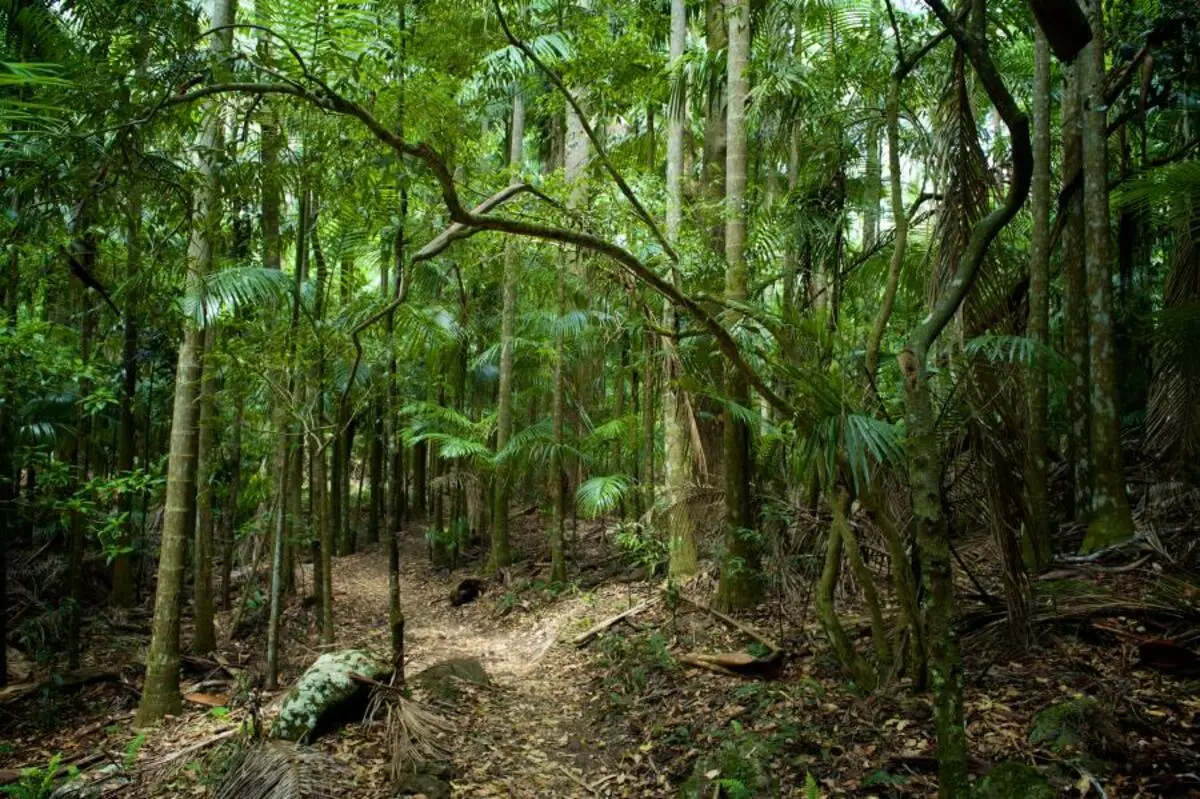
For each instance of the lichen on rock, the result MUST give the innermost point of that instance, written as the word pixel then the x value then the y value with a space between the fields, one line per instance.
pixel 324 689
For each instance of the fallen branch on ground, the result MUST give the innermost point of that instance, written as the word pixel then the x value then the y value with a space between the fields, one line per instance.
pixel 66 682
pixel 734 623
pixel 585 638
pixel 737 664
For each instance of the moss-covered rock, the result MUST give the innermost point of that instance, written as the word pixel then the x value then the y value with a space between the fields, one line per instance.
pixel 326 694
pixel 1082 727
pixel 1012 780
pixel 441 678
pixel 430 780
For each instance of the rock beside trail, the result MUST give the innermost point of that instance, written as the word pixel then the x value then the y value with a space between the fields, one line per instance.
pixel 326 694
pixel 1012 780
pixel 1080 727
pixel 428 780
pixel 440 679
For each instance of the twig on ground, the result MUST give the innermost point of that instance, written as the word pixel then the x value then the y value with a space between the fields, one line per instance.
pixel 575 779
pixel 734 623
pixel 584 638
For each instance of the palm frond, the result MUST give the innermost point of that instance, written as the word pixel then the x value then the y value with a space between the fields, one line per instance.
pixel 600 495
pixel 229 290
pixel 271 769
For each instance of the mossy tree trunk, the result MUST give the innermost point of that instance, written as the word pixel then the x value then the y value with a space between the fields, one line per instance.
pixel 1110 520
pixel 1037 542
pixel 1075 302
pixel 946 673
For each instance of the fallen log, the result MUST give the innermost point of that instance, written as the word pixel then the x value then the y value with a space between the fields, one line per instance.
pixel 584 638
pixel 65 682
pixel 737 664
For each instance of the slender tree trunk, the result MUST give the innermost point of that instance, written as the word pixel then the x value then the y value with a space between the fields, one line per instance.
pixel 123 595
pixel 501 556
pixel 648 419
pixel 715 133
pixel 1111 521
pixel 1037 543
pixel 681 544
pixel 160 692
pixel 83 434
pixel 872 187
pixel 741 579
pixel 1075 302
pixel 396 508
pixel 336 464
pixel 204 636
pixel 375 471
pixel 420 456
pixel 320 486
pixel 899 245
pixel 230 522
pixel 558 494
pixel 289 457
pixel 9 482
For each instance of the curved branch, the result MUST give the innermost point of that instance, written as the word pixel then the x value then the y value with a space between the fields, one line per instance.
pixel 986 230
pixel 638 208
pixel 334 102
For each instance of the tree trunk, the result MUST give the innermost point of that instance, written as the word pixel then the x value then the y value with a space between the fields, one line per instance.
pixel 839 641
pixel 160 692
pixel 229 523
pixel 1037 543
pixel 681 543
pixel 558 494
pixel 375 471
pixel 872 187
pixel 648 419
pixel 899 245
pixel 741 578
pixel 1075 307
pixel 83 432
pixel 204 636
pixel 1111 521
pixel 123 595
pixel 501 556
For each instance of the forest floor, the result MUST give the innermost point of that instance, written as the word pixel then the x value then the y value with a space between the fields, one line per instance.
pixel 625 716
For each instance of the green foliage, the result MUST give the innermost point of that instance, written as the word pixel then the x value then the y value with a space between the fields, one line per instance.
pixel 600 495
pixel 38 783
pixel 642 546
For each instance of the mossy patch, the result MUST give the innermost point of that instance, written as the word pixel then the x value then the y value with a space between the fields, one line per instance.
pixel 1012 780
pixel 1079 726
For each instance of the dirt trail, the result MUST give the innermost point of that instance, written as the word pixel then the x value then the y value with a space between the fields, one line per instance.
pixel 531 735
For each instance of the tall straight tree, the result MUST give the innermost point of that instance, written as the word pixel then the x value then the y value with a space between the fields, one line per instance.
pixel 1111 520
pixel 741 583
pixel 160 693
pixel 501 554
pixel 1075 303
pixel 1037 544
pixel 676 467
